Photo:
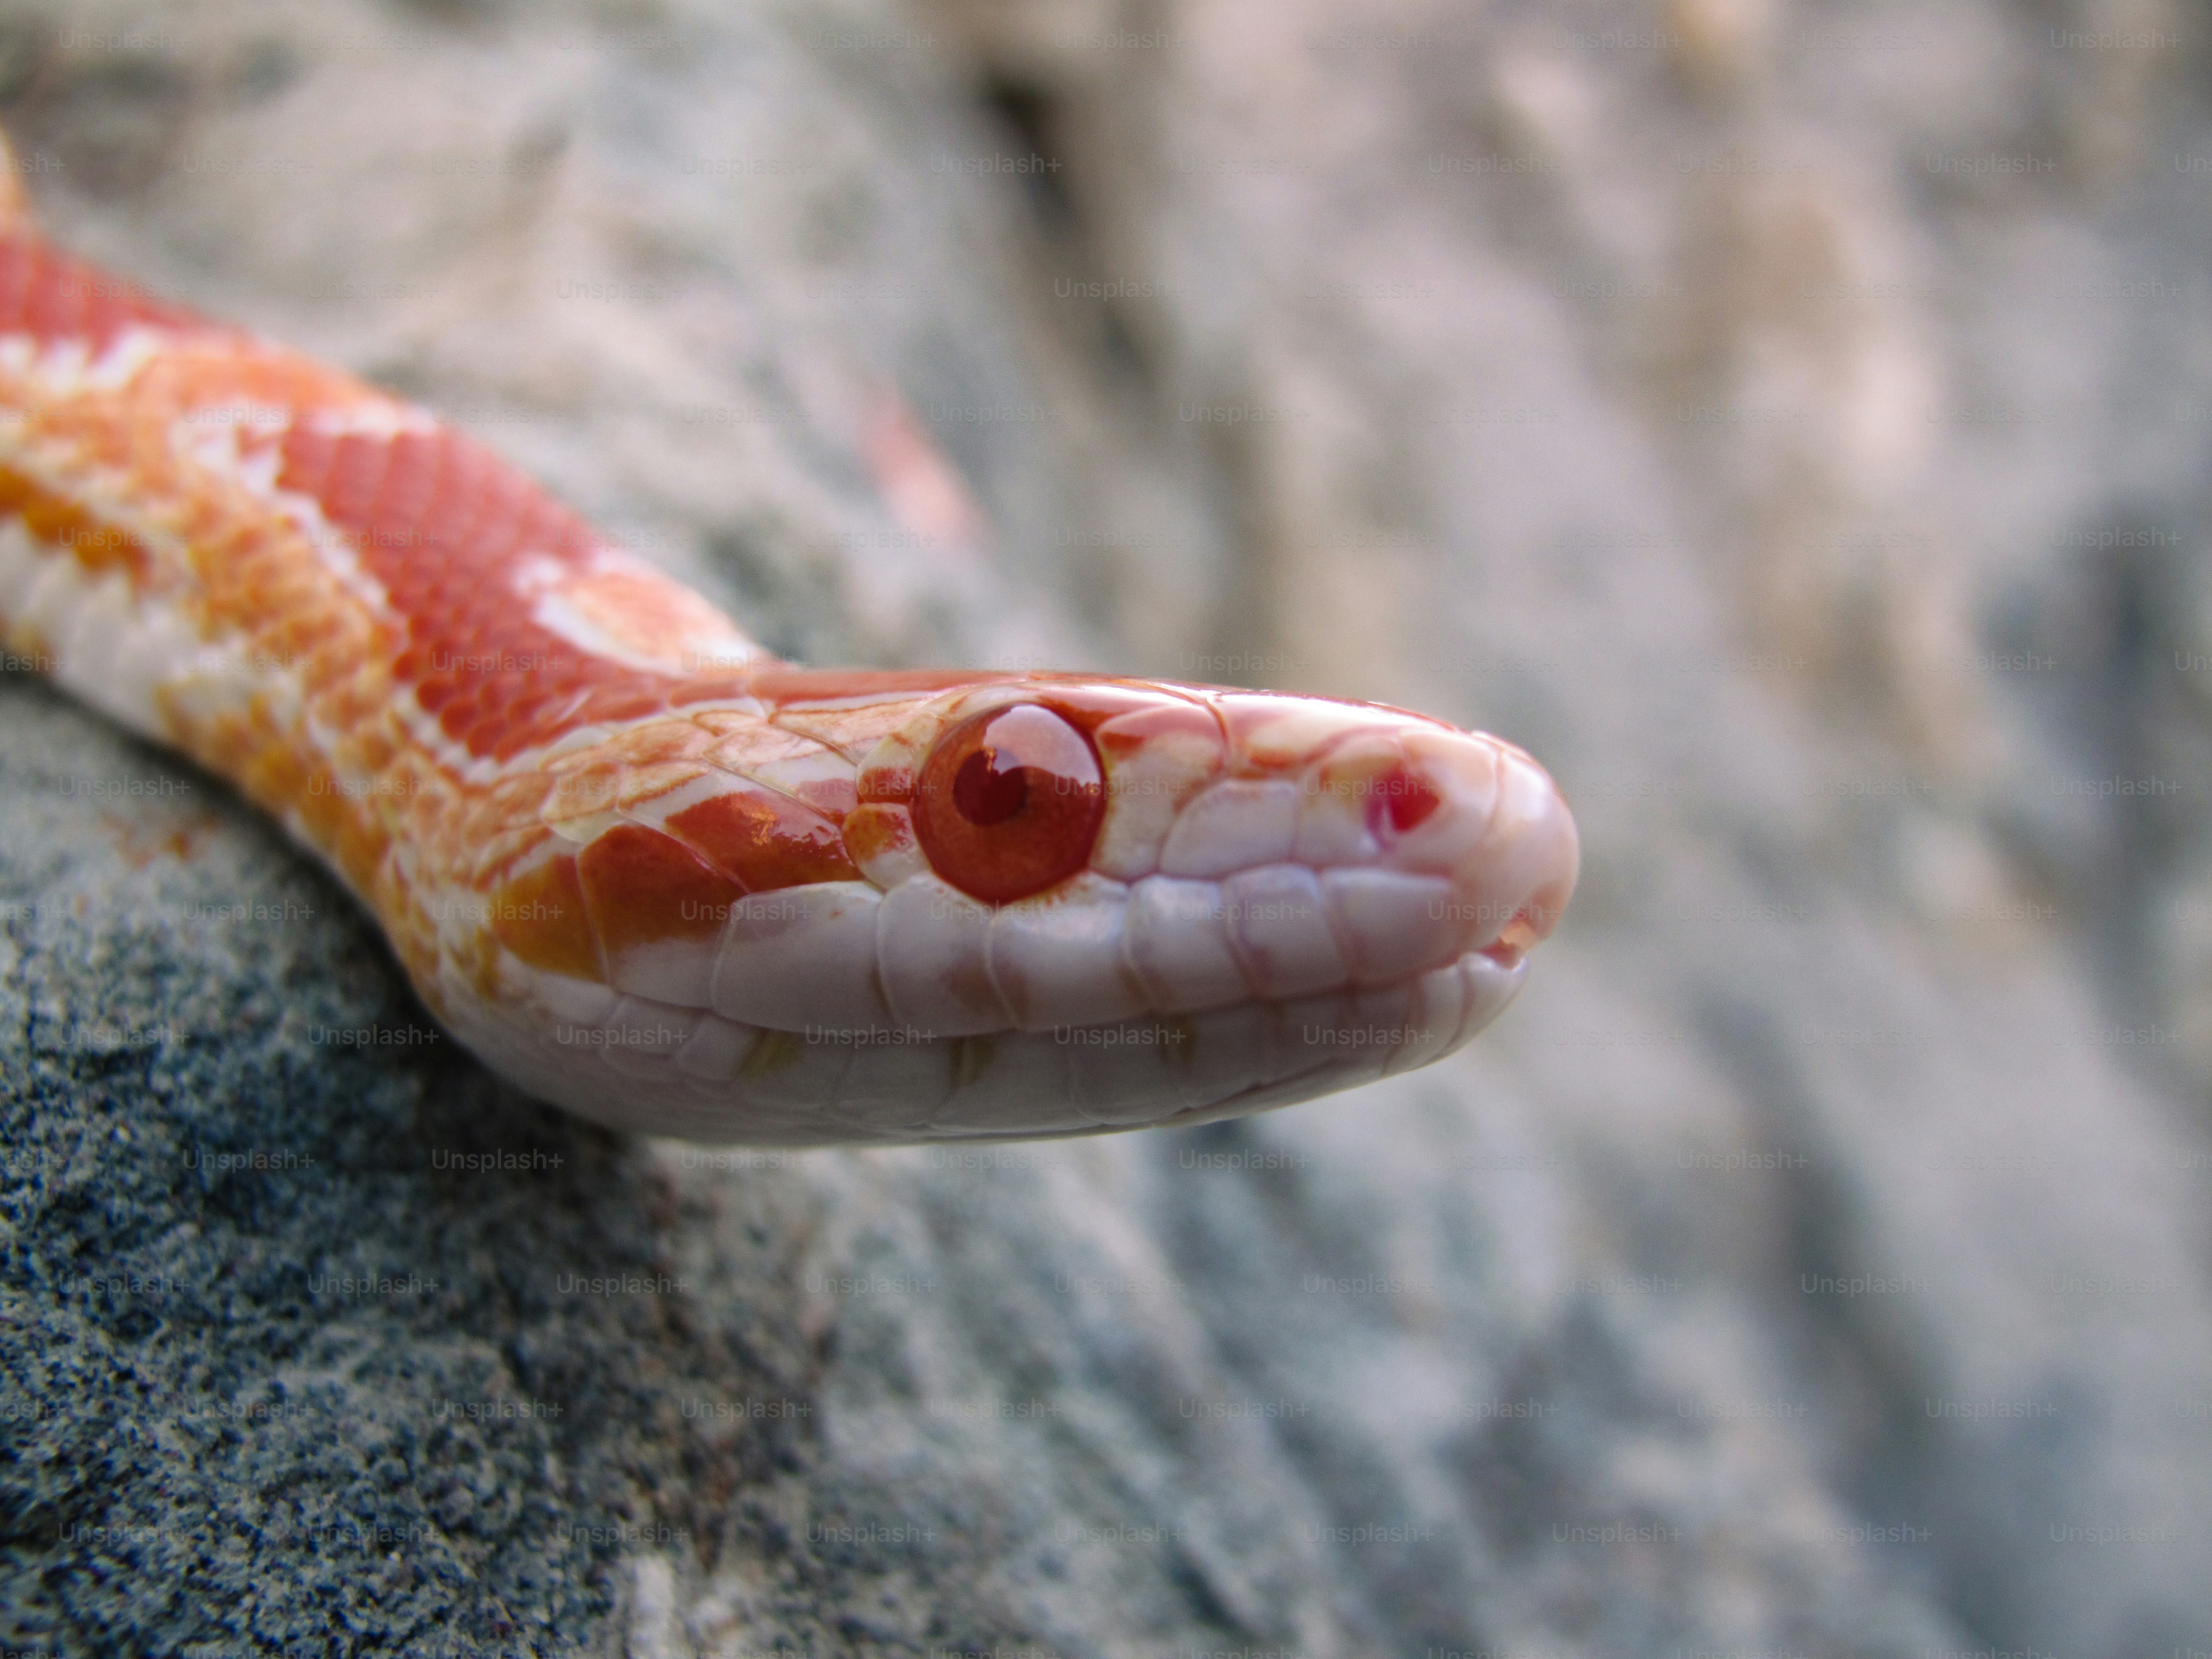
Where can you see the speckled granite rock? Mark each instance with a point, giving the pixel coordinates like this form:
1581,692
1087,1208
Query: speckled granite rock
1805,1265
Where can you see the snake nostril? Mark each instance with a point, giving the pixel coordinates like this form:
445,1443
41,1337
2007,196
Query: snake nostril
1403,798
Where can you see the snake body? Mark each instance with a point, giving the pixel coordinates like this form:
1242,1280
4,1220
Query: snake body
650,873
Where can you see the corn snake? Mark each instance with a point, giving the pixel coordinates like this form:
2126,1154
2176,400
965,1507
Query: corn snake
653,875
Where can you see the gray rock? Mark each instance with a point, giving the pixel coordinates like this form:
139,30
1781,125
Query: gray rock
1809,1263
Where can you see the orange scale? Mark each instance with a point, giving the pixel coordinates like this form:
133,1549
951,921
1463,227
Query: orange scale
303,634
447,635
412,608
520,796
725,722
433,694
508,701
356,472
320,672
494,858
482,817
540,915
360,700
466,633
642,784
764,840
555,719
492,539
219,531
361,742
371,642
662,741
581,679
399,583
285,590
464,714
643,889
478,734
600,687
14,491
448,651
358,843
203,521
584,757
95,545
892,785
514,662
547,711
279,775
499,680
559,532
476,691
526,729
413,592
215,532
499,609
578,716
468,603
434,581
756,746
535,708
586,790
875,832
410,478
452,614
305,458
242,544
542,732
519,738
52,305
456,570
462,496
17,258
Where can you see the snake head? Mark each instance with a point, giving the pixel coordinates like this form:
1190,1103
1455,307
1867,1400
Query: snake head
1002,907
1204,900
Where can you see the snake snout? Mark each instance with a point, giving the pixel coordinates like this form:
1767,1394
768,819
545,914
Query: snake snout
1539,850
1506,842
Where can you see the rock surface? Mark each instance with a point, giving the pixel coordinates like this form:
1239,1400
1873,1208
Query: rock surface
1788,424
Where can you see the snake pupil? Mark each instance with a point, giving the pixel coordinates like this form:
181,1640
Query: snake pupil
987,795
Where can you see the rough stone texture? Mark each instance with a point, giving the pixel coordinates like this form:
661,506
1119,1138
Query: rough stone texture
1809,1263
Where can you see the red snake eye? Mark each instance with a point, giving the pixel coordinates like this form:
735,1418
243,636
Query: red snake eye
1009,803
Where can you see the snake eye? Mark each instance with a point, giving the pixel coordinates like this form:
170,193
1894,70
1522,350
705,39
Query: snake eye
1009,803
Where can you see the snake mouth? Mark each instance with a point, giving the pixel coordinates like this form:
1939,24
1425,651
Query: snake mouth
1180,1073
904,1085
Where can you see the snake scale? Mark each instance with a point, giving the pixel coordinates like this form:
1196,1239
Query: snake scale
650,873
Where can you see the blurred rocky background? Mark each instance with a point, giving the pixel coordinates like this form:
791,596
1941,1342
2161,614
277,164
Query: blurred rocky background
1788,420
